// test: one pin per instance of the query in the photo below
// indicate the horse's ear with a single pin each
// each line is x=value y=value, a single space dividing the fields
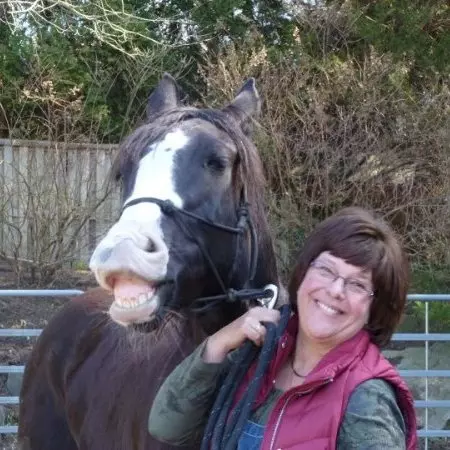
x=165 y=96
x=246 y=106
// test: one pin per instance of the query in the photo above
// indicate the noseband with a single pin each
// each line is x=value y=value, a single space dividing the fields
x=244 y=223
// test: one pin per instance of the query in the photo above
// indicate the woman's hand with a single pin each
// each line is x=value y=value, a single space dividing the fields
x=230 y=337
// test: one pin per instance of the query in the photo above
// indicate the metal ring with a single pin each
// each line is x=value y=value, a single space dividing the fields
x=269 y=302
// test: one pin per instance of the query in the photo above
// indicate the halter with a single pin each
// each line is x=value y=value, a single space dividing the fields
x=244 y=223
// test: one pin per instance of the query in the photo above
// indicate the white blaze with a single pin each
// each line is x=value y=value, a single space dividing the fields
x=154 y=178
x=126 y=247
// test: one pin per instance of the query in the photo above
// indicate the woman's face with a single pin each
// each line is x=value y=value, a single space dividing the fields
x=333 y=300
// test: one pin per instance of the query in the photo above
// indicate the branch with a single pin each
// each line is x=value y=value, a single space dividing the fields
x=110 y=26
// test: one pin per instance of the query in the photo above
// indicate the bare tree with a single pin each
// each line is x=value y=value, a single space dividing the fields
x=113 y=25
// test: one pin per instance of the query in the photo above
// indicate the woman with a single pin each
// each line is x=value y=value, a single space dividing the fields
x=328 y=385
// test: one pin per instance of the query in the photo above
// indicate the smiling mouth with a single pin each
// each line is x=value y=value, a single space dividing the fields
x=329 y=310
x=135 y=300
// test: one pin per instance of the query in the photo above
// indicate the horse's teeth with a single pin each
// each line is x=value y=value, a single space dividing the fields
x=134 y=302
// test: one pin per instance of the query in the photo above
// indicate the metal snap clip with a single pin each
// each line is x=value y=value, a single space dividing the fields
x=271 y=301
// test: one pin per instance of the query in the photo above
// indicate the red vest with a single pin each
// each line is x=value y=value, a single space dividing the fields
x=308 y=417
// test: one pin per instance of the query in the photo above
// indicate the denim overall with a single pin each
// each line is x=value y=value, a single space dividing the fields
x=253 y=433
x=251 y=437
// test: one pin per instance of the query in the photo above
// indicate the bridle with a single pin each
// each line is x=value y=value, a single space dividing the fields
x=244 y=224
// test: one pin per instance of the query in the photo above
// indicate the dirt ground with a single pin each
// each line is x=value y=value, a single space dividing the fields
x=27 y=312
x=32 y=312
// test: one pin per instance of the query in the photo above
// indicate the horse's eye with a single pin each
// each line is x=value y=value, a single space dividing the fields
x=215 y=164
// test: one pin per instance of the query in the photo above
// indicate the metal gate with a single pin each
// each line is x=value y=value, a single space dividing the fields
x=424 y=373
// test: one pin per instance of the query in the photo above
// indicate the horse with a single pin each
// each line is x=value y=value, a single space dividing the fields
x=192 y=235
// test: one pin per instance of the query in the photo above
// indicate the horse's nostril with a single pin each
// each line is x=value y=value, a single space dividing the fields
x=151 y=247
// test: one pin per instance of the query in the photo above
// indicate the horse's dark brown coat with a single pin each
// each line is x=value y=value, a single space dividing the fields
x=89 y=383
x=95 y=368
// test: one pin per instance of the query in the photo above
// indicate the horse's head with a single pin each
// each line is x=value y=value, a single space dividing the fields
x=187 y=175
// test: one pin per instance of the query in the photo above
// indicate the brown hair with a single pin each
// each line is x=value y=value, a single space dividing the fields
x=358 y=237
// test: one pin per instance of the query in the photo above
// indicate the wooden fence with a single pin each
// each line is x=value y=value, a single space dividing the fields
x=55 y=200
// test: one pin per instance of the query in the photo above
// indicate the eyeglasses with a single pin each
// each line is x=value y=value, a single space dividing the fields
x=351 y=286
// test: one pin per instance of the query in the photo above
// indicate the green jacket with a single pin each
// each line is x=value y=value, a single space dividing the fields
x=373 y=419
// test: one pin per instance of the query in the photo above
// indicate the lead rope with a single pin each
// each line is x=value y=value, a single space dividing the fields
x=224 y=427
